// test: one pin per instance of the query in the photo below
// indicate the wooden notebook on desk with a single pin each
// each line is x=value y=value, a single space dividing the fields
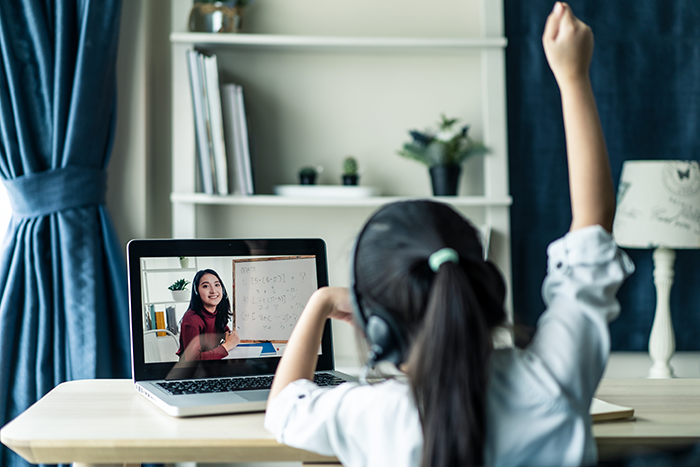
x=603 y=411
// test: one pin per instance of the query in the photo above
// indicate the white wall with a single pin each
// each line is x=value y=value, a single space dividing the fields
x=139 y=171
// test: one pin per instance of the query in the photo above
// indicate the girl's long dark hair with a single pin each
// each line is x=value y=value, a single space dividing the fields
x=449 y=316
x=223 y=309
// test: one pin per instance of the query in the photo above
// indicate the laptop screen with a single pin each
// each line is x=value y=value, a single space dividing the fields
x=205 y=308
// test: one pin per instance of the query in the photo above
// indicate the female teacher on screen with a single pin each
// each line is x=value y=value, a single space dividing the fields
x=204 y=332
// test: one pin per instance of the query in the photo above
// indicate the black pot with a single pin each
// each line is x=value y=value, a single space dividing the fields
x=350 y=179
x=307 y=179
x=445 y=179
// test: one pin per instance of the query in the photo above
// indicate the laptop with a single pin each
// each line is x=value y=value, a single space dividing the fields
x=267 y=283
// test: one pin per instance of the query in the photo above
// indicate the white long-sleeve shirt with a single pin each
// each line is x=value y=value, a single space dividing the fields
x=538 y=397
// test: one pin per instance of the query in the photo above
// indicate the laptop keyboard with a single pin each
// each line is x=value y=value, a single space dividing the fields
x=203 y=386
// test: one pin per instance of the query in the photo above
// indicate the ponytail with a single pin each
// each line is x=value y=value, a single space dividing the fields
x=448 y=371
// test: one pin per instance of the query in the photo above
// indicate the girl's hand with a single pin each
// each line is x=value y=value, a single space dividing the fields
x=232 y=340
x=568 y=44
x=338 y=302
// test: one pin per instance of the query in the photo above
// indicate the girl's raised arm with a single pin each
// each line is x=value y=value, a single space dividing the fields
x=568 y=45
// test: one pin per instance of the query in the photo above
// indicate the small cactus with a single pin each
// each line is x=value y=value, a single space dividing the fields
x=350 y=166
x=307 y=171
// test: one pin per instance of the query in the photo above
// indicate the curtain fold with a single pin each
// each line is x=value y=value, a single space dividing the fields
x=63 y=305
x=646 y=79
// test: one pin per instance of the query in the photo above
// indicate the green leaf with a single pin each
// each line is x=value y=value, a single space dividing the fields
x=455 y=151
x=180 y=284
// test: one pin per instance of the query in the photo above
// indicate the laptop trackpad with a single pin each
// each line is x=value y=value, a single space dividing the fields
x=255 y=396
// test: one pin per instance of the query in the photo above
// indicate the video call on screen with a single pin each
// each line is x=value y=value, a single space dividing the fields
x=266 y=294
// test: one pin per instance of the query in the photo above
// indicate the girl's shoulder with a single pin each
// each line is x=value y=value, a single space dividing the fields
x=384 y=396
x=192 y=318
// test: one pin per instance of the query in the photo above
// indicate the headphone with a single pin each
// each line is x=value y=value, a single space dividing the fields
x=385 y=335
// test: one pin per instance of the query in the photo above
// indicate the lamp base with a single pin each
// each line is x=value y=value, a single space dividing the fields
x=662 y=342
x=661 y=370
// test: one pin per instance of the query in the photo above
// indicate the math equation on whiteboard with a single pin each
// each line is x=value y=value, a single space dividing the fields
x=270 y=294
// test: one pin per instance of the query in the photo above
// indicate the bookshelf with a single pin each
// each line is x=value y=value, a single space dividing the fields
x=372 y=201
x=260 y=41
x=315 y=96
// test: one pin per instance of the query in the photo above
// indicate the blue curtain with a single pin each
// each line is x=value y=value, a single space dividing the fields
x=646 y=78
x=63 y=305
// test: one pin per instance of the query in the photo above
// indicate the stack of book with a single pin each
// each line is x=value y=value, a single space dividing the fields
x=221 y=129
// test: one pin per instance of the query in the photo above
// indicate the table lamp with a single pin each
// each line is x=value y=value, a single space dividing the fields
x=658 y=206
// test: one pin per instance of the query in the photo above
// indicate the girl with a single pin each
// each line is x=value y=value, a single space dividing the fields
x=426 y=300
x=204 y=324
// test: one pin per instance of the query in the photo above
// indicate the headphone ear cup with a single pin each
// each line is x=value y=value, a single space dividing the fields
x=387 y=342
x=499 y=283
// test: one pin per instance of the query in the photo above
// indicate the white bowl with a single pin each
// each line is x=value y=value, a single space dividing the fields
x=327 y=191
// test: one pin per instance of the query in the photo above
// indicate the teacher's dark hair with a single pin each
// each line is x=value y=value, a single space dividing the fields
x=223 y=309
x=449 y=316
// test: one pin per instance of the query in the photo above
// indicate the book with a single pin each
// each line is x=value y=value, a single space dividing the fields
x=147 y=320
x=233 y=132
x=152 y=317
x=171 y=320
x=243 y=122
x=200 y=121
x=603 y=411
x=206 y=116
x=160 y=323
x=216 y=124
x=228 y=105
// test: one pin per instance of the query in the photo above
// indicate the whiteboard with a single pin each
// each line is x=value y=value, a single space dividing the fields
x=269 y=295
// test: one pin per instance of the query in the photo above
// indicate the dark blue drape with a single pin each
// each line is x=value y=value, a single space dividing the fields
x=646 y=78
x=63 y=307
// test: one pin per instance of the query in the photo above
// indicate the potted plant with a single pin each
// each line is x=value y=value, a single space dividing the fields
x=184 y=261
x=350 y=175
x=307 y=175
x=179 y=290
x=443 y=151
x=217 y=15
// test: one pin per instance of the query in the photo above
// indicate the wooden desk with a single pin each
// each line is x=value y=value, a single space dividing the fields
x=667 y=415
x=106 y=421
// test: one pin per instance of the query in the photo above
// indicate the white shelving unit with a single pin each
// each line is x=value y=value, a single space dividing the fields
x=282 y=73
x=169 y=274
x=259 y=41
x=373 y=201
x=156 y=276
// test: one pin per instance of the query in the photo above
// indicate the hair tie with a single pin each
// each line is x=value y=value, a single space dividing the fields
x=441 y=256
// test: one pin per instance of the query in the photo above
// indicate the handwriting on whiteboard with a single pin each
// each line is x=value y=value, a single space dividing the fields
x=270 y=294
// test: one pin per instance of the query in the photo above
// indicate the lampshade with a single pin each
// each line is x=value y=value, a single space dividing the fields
x=658 y=204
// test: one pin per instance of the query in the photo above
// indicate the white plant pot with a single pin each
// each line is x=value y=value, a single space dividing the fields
x=184 y=262
x=181 y=295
